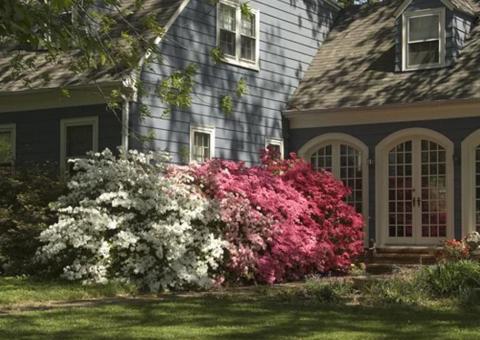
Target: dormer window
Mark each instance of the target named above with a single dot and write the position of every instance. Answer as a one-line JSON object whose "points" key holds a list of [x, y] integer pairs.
{"points": [[423, 39]]}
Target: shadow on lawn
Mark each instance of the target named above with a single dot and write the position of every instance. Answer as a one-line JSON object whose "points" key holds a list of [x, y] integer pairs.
{"points": [[260, 318]]}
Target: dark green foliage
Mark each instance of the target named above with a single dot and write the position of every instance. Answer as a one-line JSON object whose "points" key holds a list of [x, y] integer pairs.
{"points": [[24, 213], [451, 279]]}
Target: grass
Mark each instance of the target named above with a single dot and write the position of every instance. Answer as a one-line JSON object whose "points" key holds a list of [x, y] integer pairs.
{"points": [[21, 291], [239, 318], [256, 314]]}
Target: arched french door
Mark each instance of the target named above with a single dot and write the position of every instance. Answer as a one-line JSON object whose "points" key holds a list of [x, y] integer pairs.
{"points": [[347, 158], [414, 188]]}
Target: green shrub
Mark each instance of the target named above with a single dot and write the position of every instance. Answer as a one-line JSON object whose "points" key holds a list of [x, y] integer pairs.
{"points": [[401, 289], [451, 279], [328, 292], [24, 214], [316, 291]]}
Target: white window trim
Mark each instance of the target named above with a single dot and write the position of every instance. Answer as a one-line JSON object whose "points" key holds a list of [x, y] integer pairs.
{"points": [[405, 34], [276, 141], [312, 146], [12, 128], [469, 145], [381, 180], [66, 123], [202, 129], [237, 60]]}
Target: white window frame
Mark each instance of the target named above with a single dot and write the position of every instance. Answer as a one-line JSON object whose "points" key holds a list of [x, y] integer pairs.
{"points": [[12, 128], [237, 60], [275, 141], [469, 146], [70, 122], [210, 130], [440, 12], [316, 143]]}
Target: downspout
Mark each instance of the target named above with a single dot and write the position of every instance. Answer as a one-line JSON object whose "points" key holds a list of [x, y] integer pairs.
{"points": [[125, 122]]}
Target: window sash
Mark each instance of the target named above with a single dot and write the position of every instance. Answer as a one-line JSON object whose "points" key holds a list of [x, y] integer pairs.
{"points": [[422, 29], [415, 41], [246, 46]]}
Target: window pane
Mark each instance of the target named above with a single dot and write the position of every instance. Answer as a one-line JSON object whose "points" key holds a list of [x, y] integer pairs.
{"points": [[422, 28], [248, 25], [227, 42], [201, 147], [275, 150], [323, 159], [248, 48], [423, 53], [227, 18], [5, 147], [79, 140]]}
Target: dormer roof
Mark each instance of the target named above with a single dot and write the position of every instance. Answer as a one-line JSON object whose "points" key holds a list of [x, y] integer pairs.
{"points": [[355, 66], [465, 6]]}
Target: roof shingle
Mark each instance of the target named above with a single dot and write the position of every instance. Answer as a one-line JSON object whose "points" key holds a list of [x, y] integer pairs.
{"points": [[48, 74], [355, 67]]}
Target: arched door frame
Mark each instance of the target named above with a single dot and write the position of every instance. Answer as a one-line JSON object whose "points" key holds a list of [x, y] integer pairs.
{"points": [[313, 145], [381, 176], [469, 146]]}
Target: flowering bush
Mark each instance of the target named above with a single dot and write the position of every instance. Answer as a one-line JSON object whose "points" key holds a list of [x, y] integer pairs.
{"points": [[454, 250], [282, 220], [126, 219]]}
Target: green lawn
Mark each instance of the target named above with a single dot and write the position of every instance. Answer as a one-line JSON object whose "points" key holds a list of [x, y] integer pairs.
{"points": [[237, 316], [20, 291]]}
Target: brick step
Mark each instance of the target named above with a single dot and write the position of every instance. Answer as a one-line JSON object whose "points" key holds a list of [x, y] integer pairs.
{"points": [[381, 269], [400, 258], [408, 250]]}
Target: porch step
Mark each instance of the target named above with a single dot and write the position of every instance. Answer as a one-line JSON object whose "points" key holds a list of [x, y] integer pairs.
{"points": [[388, 260], [401, 258], [408, 250]]}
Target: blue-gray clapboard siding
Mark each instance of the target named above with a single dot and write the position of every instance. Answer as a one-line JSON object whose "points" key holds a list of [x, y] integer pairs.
{"points": [[290, 33], [455, 129], [38, 131], [457, 28], [461, 26]]}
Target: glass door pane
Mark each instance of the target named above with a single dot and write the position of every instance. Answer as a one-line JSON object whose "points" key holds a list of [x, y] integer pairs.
{"points": [[400, 191], [351, 175], [434, 190]]}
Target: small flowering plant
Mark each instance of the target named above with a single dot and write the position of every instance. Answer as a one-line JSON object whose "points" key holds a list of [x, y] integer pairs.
{"points": [[454, 250]]}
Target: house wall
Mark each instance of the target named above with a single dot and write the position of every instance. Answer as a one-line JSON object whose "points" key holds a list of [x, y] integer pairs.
{"points": [[38, 131], [372, 134], [457, 26], [461, 26], [290, 33]]}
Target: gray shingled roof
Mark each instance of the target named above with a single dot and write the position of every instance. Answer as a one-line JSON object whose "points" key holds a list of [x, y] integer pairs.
{"points": [[60, 75], [355, 67]]}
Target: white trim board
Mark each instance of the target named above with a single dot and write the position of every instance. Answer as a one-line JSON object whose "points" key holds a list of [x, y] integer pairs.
{"points": [[383, 114], [52, 98], [469, 184], [407, 3]]}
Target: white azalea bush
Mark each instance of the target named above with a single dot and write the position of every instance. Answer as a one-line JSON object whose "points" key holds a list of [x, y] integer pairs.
{"points": [[127, 219]]}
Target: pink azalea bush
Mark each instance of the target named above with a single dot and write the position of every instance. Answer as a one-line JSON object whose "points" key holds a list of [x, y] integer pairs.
{"points": [[282, 220]]}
